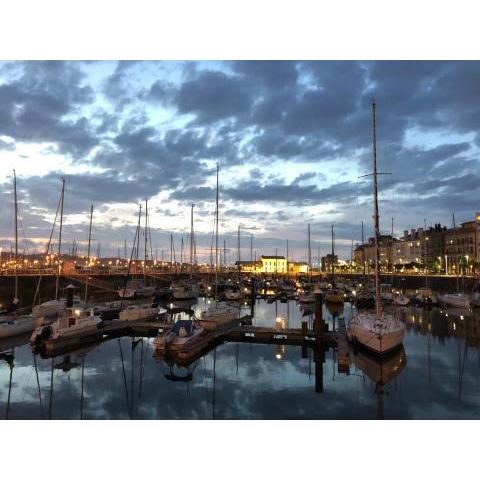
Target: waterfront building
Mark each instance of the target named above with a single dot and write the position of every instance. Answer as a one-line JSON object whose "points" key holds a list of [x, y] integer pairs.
{"points": [[273, 264], [420, 247], [248, 266], [295, 268], [366, 253], [265, 264], [462, 248]]}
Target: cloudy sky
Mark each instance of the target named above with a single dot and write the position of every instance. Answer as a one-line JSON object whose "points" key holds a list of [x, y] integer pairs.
{"points": [[291, 139]]}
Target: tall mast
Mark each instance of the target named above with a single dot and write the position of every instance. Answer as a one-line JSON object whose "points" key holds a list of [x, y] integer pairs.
{"points": [[319, 258], [16, 233], [88, 252], [391, 254], [145, 256], [191, 242], [309, 253], [251, 247], [378, 303], [216, 239], [425, 250], [333, 258], [363, 255], [57, 284], [137, 236], [225, 253], [287, 250], [181, 254], [238, 250]]}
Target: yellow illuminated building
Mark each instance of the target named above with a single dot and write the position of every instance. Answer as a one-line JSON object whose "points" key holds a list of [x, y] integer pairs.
{"points": [[273, 264]]}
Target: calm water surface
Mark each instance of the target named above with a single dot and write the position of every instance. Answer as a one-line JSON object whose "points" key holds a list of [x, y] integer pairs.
{"points": [[435, 377]]}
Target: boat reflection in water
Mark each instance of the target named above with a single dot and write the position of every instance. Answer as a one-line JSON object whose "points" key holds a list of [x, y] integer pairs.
{"points": [[380, 370]]}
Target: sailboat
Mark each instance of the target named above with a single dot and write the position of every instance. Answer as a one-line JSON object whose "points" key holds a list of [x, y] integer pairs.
{"points": [[218, 313], [9, 312], [57, 306], [306, 296], [12, 324], [378, 331], [137, 287], [235, 292], [186, 290], [334, 295]]}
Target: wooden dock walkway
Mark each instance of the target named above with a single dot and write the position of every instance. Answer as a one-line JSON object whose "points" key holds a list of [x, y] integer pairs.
{"points": [[291, 336], [238, 330]]}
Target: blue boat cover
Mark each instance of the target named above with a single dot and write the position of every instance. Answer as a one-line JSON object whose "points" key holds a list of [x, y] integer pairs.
{"points": [[186, 324]]}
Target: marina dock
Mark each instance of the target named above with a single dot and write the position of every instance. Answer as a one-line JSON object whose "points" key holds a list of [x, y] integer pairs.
{"points": [[238, 330]]}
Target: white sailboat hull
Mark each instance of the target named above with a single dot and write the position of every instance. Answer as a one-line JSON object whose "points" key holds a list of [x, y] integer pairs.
{"points": [[379, 337]]}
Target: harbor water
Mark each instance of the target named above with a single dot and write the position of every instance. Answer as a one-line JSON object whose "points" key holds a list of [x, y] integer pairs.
{"points": [[435, 376]]}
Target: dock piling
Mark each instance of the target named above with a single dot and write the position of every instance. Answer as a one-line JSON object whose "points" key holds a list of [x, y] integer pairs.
{"points": [[319, 326]]}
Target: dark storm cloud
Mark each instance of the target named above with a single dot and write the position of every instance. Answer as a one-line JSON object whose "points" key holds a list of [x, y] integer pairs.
{"points": [[214, 96], [81, 190], [271, 74], [34, 106], [432, 94], [294, 193], [171, 160], [117, 87]]}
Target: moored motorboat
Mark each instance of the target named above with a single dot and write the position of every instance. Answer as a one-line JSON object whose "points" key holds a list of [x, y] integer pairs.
{"points": [[179, 336], [74, 325]]}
